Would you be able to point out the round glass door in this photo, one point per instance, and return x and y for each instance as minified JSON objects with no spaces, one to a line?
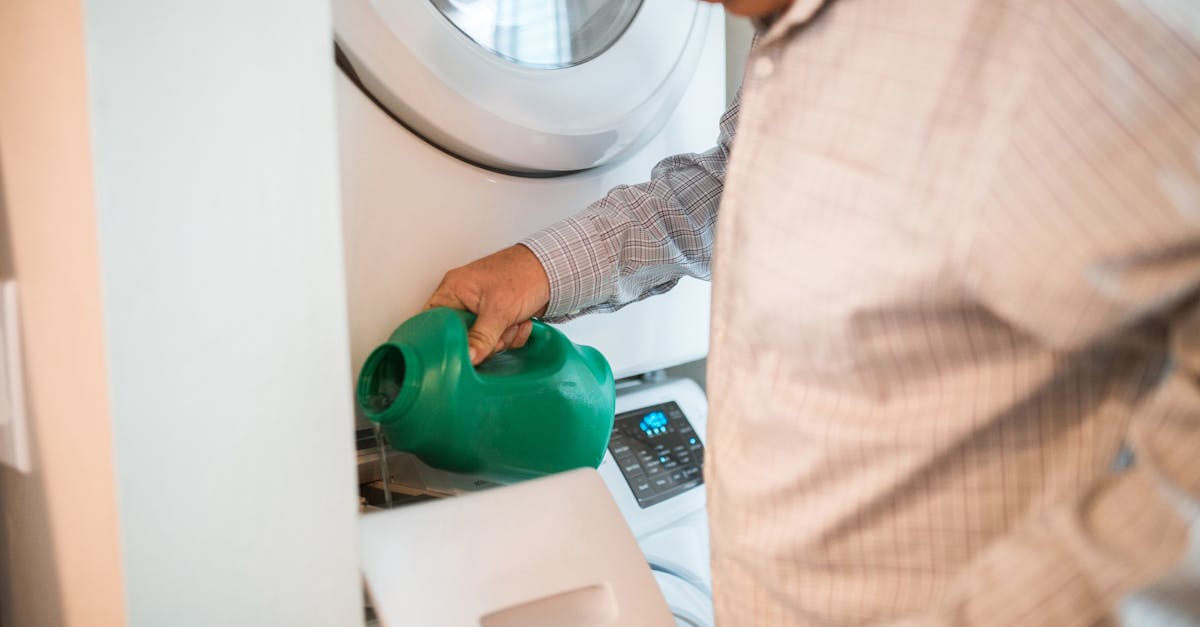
{"x":546,"y":34}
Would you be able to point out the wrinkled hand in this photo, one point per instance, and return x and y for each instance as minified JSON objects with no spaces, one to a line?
{"x":504,"y":290}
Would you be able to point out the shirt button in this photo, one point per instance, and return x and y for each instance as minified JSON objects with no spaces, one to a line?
{"x":763,"y":66}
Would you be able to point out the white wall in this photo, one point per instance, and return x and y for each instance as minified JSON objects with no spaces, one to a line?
{"x":214,"y":150}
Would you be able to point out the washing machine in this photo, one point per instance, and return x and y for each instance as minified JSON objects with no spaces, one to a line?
{"x":465,"y":125}
{"x":654,"y":469}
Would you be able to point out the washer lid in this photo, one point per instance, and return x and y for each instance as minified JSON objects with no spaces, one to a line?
{"x":536,"y":86}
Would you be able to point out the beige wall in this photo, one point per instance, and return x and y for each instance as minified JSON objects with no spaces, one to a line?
{"x":58,"y":549}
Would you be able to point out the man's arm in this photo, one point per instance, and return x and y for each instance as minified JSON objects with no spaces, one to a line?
{"x":637,"y":241}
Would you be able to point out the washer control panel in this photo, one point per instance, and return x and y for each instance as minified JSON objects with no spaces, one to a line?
{"x":658,"y":451}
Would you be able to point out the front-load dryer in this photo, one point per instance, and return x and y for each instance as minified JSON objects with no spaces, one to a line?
{"x":466,"y":125}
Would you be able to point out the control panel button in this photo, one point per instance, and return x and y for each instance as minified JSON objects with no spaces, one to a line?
{"x":631,"y":469}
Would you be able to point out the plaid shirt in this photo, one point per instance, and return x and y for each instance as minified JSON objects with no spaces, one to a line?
{"x":956,"y":269}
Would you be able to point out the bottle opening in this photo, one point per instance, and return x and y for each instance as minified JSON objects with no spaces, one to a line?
{"x":382,"y":379}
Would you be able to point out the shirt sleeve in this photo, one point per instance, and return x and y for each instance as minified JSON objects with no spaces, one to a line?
{"x":638,"y":240}
{"x":1099,"y":187}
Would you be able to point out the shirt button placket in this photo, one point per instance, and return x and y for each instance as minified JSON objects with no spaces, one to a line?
{"x":763,"y":66}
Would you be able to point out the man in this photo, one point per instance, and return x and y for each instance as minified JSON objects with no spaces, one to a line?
{"x":957,"y":268}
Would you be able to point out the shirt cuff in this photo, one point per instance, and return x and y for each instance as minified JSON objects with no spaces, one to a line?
{"x":572,"y":252}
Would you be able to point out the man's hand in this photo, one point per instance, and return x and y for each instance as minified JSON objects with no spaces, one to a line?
{"x":504,"y":290}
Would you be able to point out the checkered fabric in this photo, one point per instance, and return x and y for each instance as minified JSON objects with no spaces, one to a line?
{"x":956,"y":269}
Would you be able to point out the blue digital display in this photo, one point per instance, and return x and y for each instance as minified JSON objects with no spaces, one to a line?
{"x":654,"y":423}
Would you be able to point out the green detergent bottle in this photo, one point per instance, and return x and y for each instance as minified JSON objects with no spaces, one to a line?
{"x":540,"y":409}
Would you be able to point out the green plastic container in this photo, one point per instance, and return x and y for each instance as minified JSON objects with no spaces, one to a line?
{"x":540,"y":409}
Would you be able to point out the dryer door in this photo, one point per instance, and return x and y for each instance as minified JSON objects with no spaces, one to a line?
{"x":530,"y":86}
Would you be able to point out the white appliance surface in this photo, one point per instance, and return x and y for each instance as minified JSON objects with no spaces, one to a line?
{"x":507,"y":113}
{"x":411,"y":212}
{"x":689,"y":605}
{"x":672,"y":533}
{"x":691,"y":400}
{"x":551,"y":552}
